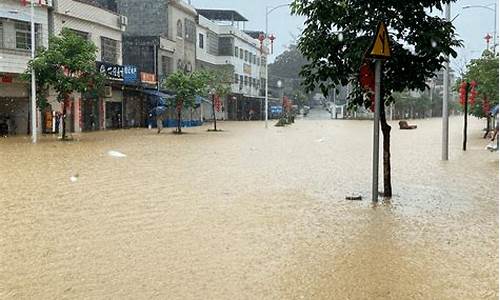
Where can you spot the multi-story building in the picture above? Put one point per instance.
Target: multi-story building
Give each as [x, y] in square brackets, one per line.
[222, 45]
[15, 53]
[160, 39]
[161, 35]
[99, 22]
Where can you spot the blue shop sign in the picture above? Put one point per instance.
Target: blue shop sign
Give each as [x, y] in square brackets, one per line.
[130, 74]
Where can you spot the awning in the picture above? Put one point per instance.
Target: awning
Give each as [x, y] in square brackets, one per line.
[158, 98]
[158, 94]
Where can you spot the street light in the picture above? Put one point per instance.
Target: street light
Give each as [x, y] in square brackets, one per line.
[494, 10]
[268, 11]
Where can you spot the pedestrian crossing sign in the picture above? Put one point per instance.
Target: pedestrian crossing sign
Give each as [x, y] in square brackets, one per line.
[380, 48]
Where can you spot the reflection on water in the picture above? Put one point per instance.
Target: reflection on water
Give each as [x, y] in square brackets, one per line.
[248, 213]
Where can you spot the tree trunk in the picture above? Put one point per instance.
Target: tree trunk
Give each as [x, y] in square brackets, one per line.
[386, 131]
[63, 117]
[179, 113]
[213, 109]
[488, 120]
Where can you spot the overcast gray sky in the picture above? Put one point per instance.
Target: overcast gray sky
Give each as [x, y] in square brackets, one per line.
[472, 24]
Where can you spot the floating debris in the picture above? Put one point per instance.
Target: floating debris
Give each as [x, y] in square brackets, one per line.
[74, 178]
[116, 154]
[354, 197]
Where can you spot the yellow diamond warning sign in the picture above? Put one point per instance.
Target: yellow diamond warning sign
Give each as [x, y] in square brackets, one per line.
[380, 48]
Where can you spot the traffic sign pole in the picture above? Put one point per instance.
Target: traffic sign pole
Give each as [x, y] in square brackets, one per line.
[376, 130]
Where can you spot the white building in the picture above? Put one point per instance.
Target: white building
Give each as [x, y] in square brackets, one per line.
[222, 45]
[15, 53]
[94, 21]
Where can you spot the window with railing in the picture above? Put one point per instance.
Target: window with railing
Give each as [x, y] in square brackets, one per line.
[236, 78]
[84, 35]
[109, 50]
[23, 35]
[179, 28]
[166, 65]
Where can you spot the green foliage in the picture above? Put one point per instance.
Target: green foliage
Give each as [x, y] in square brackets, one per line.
[68, 65]
[338, 33]
[484, 71]
[218, 81]
[287, 67]
[186, 87]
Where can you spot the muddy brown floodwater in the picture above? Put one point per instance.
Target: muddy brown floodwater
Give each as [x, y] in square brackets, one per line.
[248, 213]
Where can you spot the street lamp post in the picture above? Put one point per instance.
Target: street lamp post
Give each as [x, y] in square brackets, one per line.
[446, 96]
[268, 11]
[33, 85]
[494, 10]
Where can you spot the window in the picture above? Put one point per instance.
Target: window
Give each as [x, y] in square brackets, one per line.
[179, 28]
[166, 65]
[23, 35]
[254, 59]
[200, 41]
[180, 65]
[190, 34]
[241, 53]
[246, 55]
[241, 80]
[82, 34]
[236, 51]
[212, 43]
[246, 80]
[109, 50]
[236, 77]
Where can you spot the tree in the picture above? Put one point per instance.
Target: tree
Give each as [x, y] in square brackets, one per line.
[219, 86]
[287, 67]
[337, 34]
[186, 87]
[484, 71]
[67, 66]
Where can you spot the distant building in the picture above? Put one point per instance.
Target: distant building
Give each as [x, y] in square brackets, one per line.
[15, 53]
[223, 46]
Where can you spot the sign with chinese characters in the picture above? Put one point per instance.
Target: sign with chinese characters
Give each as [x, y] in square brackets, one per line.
[129, 74]
[111, 71]
[148, 78]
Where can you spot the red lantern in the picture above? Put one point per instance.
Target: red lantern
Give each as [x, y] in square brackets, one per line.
[262, 37]
[272, 38]
[367, 82]
[463, 92]
[473, 92]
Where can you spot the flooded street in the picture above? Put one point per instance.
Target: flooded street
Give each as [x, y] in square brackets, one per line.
[248, 213]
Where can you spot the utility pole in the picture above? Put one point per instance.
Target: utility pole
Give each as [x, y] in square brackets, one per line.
[446, 95]
[33, 85]
[376, 130]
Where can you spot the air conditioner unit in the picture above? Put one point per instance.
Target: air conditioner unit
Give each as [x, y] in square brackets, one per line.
[123, 20]
[108, 92]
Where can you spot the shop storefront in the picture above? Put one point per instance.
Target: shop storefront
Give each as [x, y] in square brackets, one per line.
[14, 106]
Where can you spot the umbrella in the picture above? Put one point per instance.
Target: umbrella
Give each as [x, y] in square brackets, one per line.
[159, 110]
[494, 110]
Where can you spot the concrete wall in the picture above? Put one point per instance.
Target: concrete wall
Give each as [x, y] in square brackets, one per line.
[95, 21]
[146, 17]
[185, 51]
[15, 60]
